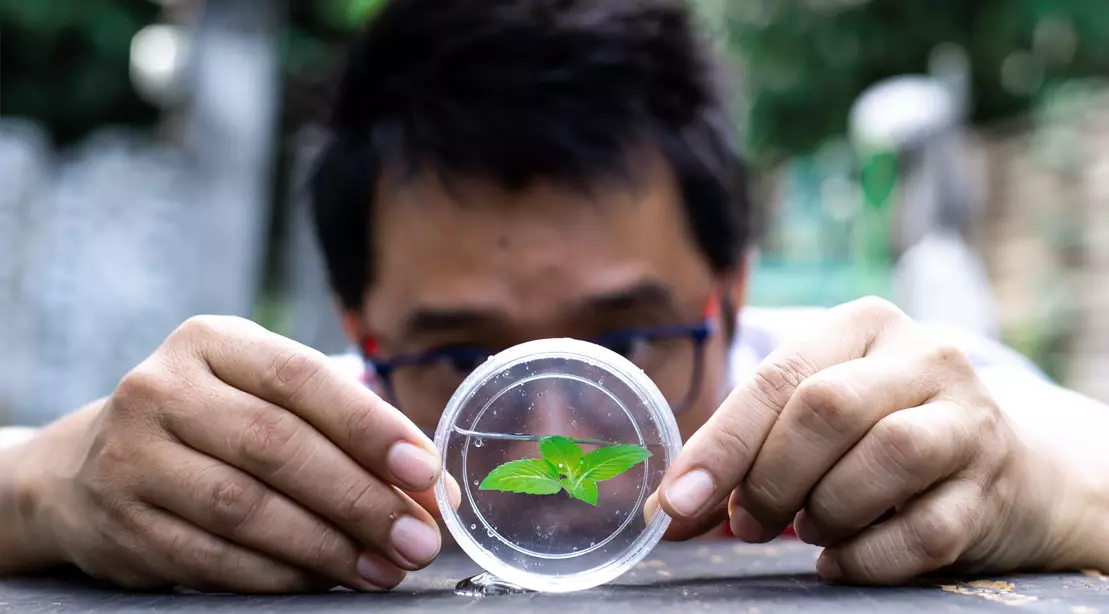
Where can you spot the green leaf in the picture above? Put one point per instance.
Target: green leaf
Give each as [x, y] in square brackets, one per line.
[585, 490]
[563, 453]
[608, 462]
[530, 476]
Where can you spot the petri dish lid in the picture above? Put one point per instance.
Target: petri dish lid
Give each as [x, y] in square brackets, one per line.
[560, 534]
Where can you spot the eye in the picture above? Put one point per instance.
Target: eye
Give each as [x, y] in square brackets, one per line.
[632, 348]
[462, 360]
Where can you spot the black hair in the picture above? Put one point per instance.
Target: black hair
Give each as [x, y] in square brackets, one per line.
[514, 91]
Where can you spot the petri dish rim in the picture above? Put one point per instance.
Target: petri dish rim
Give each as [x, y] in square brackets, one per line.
[616, 365]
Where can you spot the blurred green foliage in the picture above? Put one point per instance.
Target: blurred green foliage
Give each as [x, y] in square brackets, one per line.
[803, 62]
[65, 62]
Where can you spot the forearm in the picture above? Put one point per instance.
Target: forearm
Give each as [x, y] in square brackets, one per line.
[29, 460]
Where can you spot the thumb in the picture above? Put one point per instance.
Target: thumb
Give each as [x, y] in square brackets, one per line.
[683, 529]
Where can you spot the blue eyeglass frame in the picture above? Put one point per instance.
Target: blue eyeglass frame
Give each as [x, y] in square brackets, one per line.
[698, 333]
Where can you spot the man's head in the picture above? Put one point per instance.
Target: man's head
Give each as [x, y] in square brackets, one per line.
[505, 170]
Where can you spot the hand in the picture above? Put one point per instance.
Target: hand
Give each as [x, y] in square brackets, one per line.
[234, 459]
[878, 442]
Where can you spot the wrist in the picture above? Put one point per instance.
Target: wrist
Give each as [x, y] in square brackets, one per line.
[24, 545]
[1069, 463]
[33, 491]
[1059, 499]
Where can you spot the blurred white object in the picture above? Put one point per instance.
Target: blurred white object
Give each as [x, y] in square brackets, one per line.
[902, 111]
[159, 57]
[941, 280]
[938, 277]
[14, 435]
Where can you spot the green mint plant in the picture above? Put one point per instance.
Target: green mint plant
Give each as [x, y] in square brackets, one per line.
[564, 466]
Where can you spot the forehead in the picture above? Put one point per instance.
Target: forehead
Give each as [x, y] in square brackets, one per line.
[527, 255]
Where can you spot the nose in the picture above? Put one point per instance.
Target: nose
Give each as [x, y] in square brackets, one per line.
[553, 407]
[564, 407]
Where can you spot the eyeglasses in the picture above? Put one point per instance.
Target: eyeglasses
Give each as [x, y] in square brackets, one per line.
[421, 384]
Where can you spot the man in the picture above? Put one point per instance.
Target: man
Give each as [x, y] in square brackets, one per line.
[506, 170]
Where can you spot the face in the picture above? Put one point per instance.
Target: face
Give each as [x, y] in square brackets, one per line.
[476, 267]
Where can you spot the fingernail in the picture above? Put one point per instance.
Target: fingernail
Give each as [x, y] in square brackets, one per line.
[414, 540]
[453, 491]
[828, 568]
[379, 572]
[414, 466]
[689, 493]
[745, 527]
[650, 508]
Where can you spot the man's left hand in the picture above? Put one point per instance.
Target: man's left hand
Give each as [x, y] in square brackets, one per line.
[879, 442]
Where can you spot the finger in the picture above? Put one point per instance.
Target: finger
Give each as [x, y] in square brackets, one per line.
[233, 505]
[903, 455]
[426, 499]
[303, 381]
[716, 459]
[928, 534]
[281, 450]
[682, 530]
[827, 415]
[189, 556]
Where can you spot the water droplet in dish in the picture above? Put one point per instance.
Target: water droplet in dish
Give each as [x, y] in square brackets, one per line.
[473, 526]
[478, 443]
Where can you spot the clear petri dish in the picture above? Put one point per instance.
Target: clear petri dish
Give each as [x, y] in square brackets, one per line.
[517, 524]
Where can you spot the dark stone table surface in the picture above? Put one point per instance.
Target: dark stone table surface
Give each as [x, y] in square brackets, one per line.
[716, 576]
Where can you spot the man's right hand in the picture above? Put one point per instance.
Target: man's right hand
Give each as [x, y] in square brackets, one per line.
[234, 459]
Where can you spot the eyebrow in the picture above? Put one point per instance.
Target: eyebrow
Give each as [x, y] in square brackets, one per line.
[647, 293]
[644, 294]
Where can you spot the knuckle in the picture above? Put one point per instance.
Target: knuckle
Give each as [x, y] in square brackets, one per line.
[270, 438]
[731, 440]
[827, 509]
[948, 356]
[363, 424]
[195, 329]
[905, 444]
[233, 503]
[141, 388]
[875, 309]
[291, 374]
[762, 498]
[363, 505]
[937, 536]
[988, 419]
[776, 380]
[327, 549]
[831, 404]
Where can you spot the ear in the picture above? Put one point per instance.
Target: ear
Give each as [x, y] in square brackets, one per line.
[736, 281]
